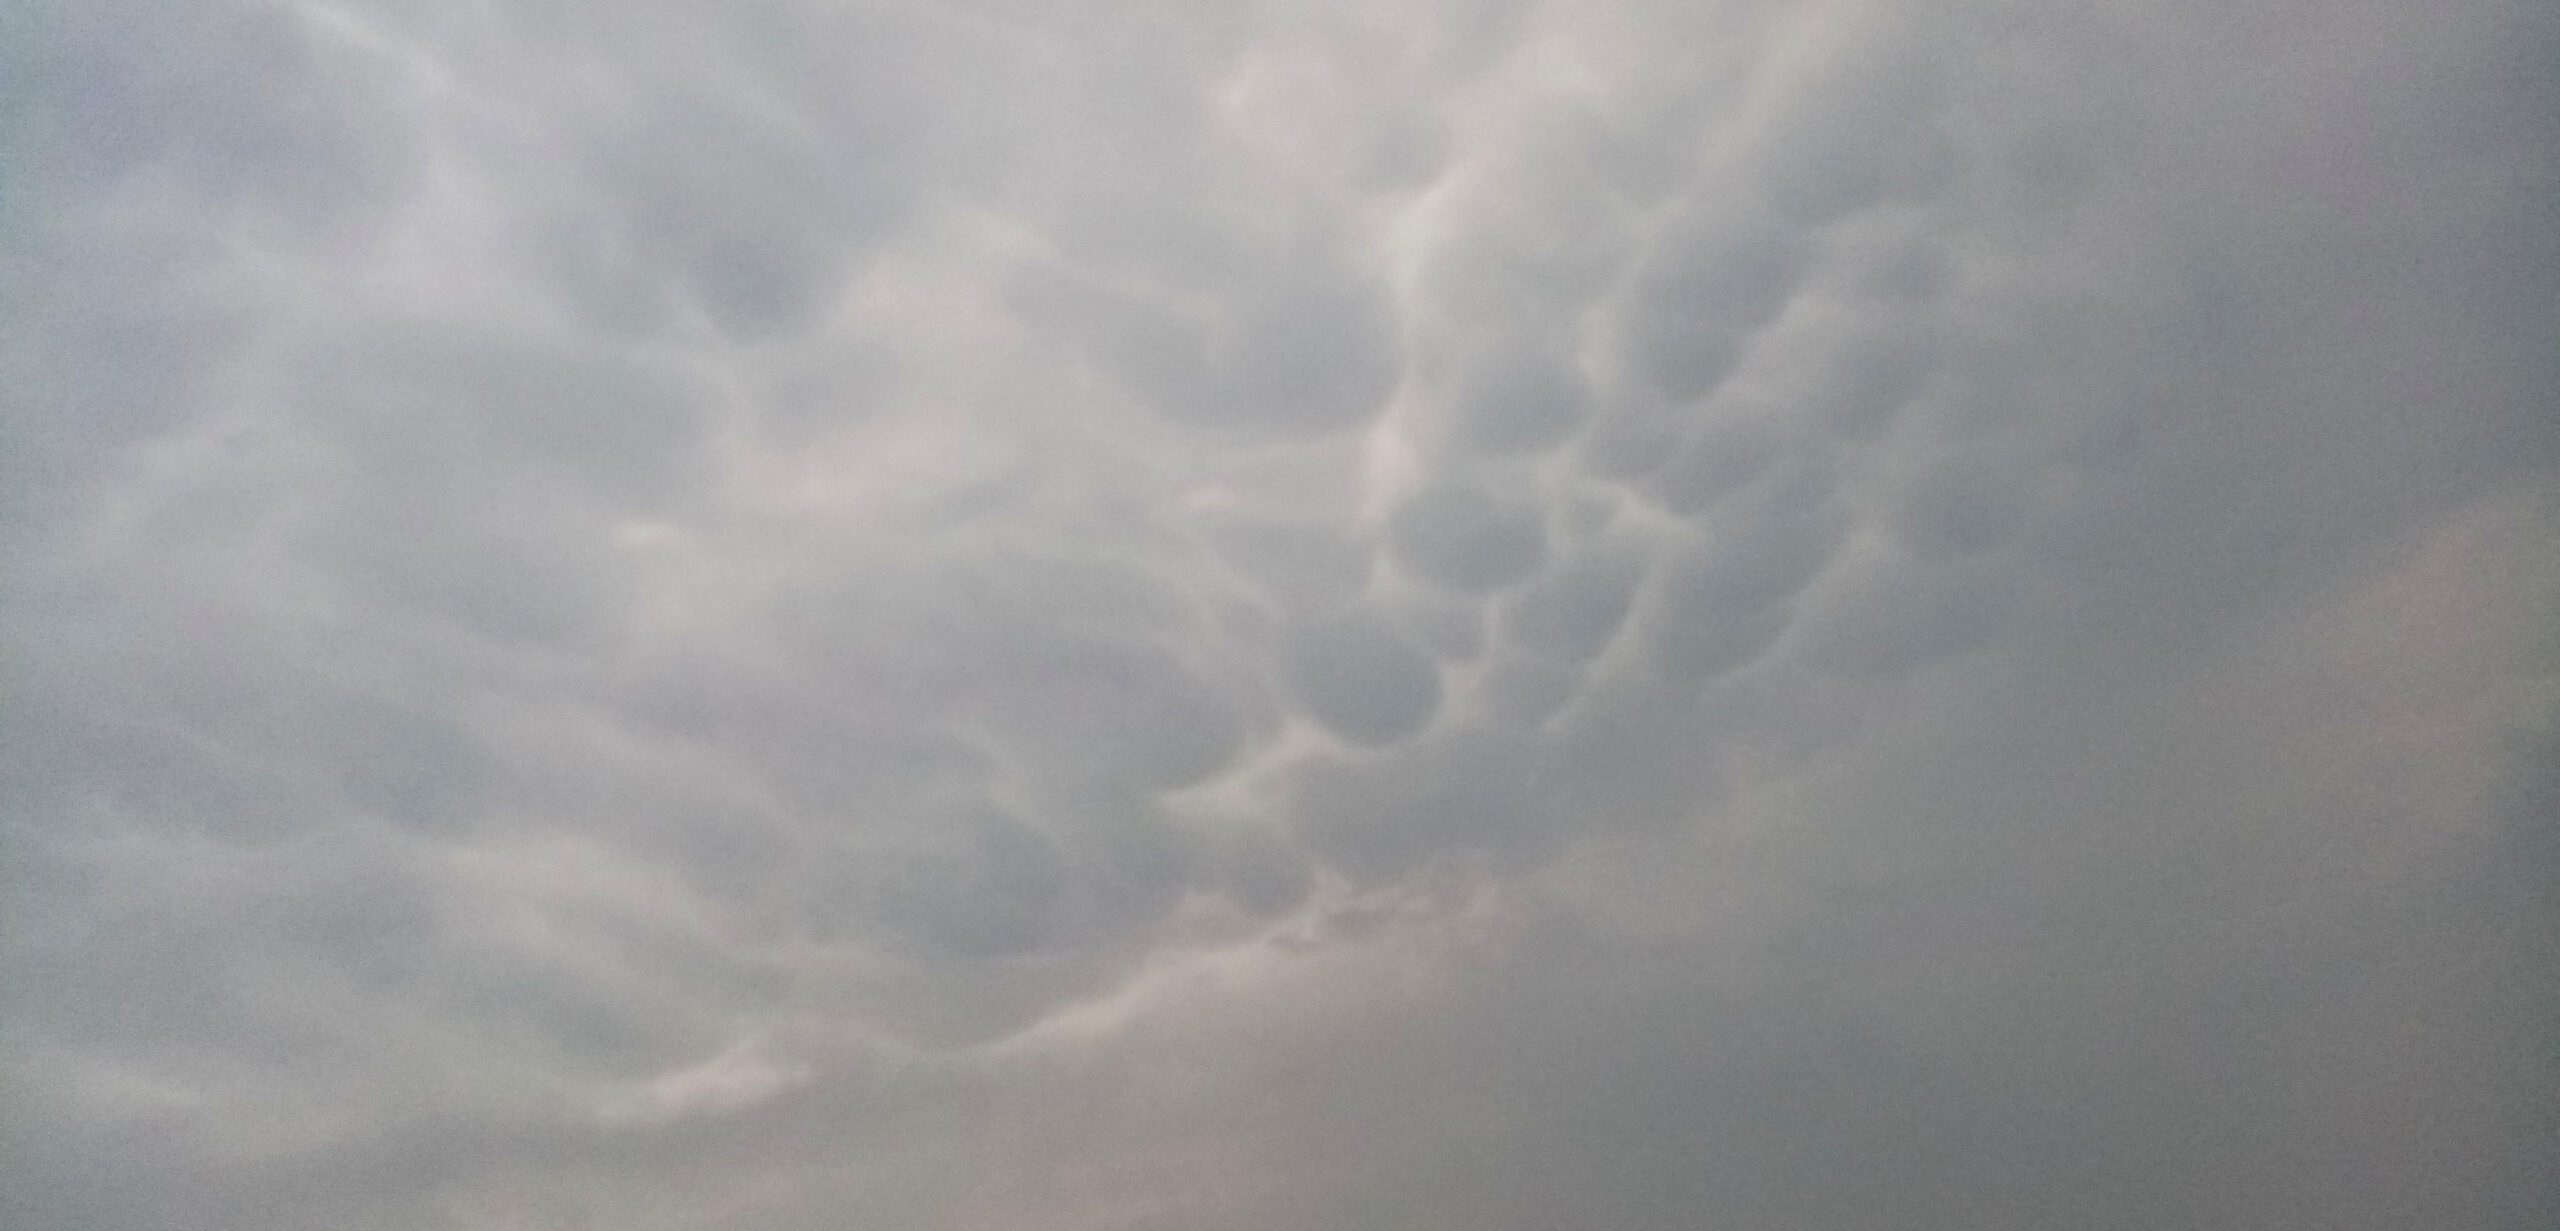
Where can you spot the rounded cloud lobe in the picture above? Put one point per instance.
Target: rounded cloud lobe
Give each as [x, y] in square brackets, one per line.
[1376, 616]
[1465, 538]
[1361, 679]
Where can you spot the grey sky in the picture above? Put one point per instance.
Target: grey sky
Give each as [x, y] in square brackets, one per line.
[1018, 616]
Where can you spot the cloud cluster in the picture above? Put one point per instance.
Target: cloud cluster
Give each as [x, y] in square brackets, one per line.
[1637, 615]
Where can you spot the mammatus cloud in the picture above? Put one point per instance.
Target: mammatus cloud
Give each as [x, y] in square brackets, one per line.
[1631, 615]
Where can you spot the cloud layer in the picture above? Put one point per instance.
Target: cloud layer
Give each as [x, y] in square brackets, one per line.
[995, 615]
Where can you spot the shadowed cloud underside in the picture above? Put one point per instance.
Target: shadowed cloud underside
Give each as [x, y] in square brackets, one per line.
[1634, 615]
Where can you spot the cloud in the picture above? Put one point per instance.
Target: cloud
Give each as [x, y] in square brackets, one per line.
[1361, 679]
[1464, 538]
[1576, 608]
[1629, 614]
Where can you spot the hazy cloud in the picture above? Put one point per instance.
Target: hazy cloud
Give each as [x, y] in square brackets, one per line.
[1630, 615]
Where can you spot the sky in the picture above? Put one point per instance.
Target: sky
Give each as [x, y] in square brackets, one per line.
[1383, 615]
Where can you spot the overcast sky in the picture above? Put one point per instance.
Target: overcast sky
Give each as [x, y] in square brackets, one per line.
[1061, 615]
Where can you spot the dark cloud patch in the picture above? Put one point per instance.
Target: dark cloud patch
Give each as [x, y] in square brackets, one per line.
[1861, 389]
[1137, 868]
[1631, 436]
[972, 767]
[1289, 349]
[1721, 602]
[1139, 712]
[1450, 628]
[408, 767]
[1526, 691]
[429, 407]
[1072, 668]
[1462, 793]
[755, 217]
[1574, 610]
[117, 358]
[1894, 617]
[1518, 403]
[772, 615]
[994, 893]
[1361, 679]
[1964, 505]
[1698, 302]
[1703, 632]
[85, 754]
[1261, 874]
[105, 712]
[1541, 242]
[1294, 560]
[1716, 459]
[229, 110]
[599, 1023]
[469, 570]
[1466, 537]
[854, 384]
[1865, 131]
